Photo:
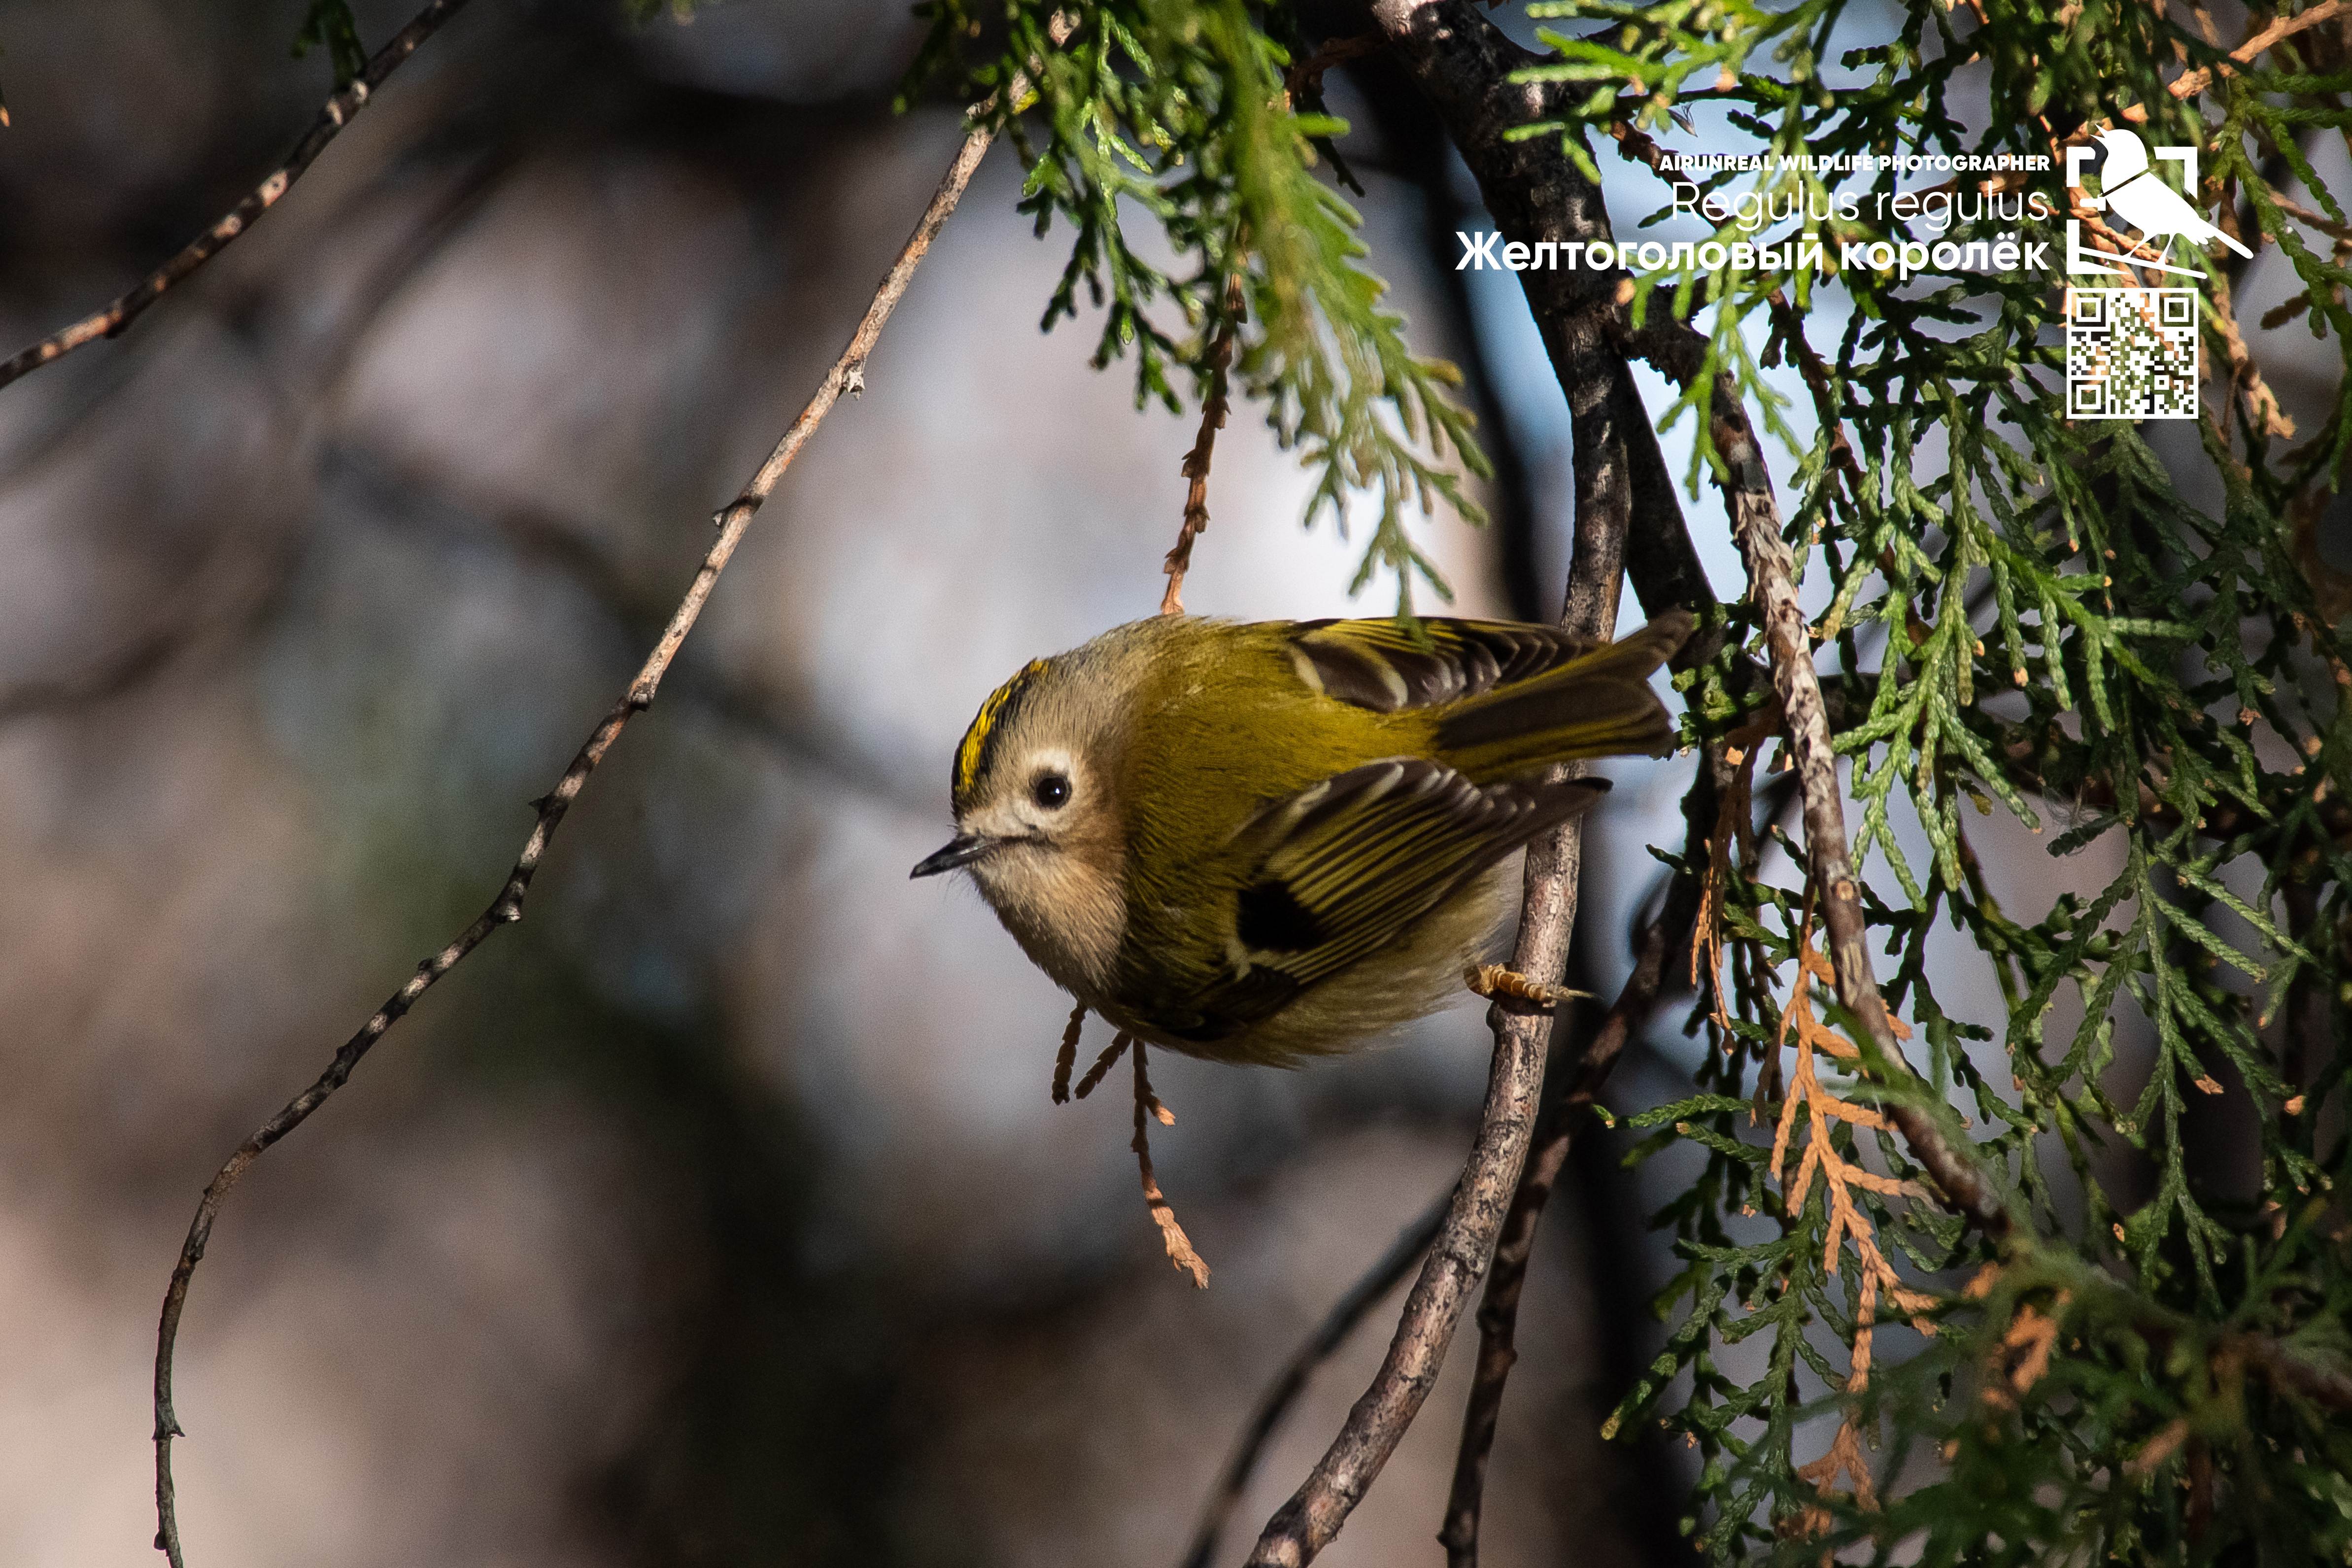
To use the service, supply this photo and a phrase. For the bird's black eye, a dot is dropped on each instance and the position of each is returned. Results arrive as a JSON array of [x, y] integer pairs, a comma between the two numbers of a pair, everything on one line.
[[1051, 790]]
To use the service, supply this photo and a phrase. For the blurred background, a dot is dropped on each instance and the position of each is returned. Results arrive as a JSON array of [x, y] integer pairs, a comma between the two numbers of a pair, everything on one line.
[[717, 1212]]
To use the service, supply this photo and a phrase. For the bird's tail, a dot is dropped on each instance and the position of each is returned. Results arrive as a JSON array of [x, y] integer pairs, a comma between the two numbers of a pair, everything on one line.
[[1600, 705]]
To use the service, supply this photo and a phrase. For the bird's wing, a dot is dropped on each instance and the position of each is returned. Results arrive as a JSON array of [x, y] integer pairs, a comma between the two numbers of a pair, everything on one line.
[[1598, 705], [1385, 665], [1347, 868]]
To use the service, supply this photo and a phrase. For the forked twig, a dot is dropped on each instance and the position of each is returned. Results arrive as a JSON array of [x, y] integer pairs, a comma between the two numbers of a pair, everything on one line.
[[847, 374], [1667, 935], [111, 321]]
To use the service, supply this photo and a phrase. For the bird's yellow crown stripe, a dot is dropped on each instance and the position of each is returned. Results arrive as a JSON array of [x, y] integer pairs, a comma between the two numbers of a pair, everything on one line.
[[975, 740]]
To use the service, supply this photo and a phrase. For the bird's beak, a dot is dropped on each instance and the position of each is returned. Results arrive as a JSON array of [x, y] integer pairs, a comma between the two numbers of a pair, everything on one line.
[[961, 851]]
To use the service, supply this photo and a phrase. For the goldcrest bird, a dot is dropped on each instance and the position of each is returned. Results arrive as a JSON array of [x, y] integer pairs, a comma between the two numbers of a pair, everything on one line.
[[1268, 841]]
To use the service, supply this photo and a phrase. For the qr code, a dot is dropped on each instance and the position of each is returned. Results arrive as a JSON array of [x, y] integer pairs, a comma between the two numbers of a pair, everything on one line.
[[2131, 354]]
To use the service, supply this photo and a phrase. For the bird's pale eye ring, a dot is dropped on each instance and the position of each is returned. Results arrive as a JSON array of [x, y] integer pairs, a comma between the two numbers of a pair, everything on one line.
[[1050, 790]]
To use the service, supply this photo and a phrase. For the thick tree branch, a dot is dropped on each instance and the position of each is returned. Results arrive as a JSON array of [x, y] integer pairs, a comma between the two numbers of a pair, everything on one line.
[[1661, 559], [339, 111], [1462, 64], [847, 375]]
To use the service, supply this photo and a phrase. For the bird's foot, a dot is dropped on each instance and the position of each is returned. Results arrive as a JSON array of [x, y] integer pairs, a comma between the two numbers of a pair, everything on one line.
[[1495, 982]]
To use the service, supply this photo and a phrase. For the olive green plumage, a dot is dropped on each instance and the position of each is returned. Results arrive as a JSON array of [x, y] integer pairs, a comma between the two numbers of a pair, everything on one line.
[[1255, 842]]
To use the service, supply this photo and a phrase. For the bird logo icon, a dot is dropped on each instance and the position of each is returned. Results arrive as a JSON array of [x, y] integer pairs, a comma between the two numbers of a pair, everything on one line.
[[2131, 191]]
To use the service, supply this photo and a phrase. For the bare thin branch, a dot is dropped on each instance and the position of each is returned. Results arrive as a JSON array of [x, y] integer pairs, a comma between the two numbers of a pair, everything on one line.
[[1663, 942], [847, 375], [1458, 1258], [1214, 406], [1332, 1332], [2190, 83], [250, 560], [339, 111]]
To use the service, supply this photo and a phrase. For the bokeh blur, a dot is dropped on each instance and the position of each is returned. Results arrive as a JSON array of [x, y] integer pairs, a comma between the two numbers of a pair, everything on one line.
[[717, 1213]]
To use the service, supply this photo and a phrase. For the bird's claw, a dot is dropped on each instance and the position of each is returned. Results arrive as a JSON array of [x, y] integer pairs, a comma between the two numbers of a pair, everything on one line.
[[1495, 981]]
